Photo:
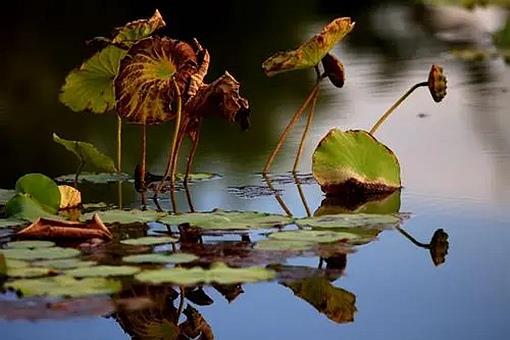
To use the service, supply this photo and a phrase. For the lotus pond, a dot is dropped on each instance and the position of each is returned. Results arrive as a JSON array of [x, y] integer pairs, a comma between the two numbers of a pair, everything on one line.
[[237, 254]]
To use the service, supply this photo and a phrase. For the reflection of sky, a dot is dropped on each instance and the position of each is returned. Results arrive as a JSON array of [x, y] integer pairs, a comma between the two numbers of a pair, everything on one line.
[[455, 167]]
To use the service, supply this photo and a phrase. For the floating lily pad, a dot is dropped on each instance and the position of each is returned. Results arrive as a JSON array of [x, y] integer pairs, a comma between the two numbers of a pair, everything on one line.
[[316, 236], [16, 263], [284, 245], [30, 244], [138, 29], [218, 273], [97, 178], [87, 154], [355, 162], [64, 264], [311, 52], [90, 86], [149, 240], [28, 272], [6, 195], [348, 221], [125, 216], [228, 220], [161, 258], [11, 222], [39, 253], [64, 285], [103, 271]]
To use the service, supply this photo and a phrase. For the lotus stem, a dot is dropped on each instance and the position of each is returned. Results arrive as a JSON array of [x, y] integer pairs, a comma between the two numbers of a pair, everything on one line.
[[412, 239], [188, 198], [394, 106], [277, 195], [302, 196], [78, 171], [191, 156], [285, 132], [143, 167], [180, 308], [305, 132], [119, 144]]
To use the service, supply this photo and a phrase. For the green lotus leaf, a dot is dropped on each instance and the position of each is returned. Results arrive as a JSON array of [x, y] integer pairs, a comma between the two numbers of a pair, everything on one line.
[[125, 216], [354, 161], [349, 221], [218, 273], [96, 178], [149, 240], [138, 29], [103, 271], [24, 207], [29, 244], [28, 272], [39, 253], [90, 86], [42, 189], [336, 303], [63, 285], [284, 245], [87, 154], [316, 236], [228, 220], [199, 177], [11, 222], [6, 195], [144, 87], [311, 52], [64, 264], [14, 264], [161, 258]]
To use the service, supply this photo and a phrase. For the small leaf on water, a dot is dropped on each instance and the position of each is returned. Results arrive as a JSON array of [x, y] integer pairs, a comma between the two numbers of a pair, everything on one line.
[[6, 195], [63, 264], [149, 240], [29, 244], [218, 273], [39, 253], [125, 216], [97, 178], [88, 154], [161, 258], [28, 272], [64, 285], [11, 222], [349, 221], [316, 236], [284, 245], [103, 271]]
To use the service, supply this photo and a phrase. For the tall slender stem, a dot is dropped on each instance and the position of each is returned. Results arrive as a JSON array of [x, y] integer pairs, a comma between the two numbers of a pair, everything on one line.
[[305, 132], [277, 195], [394, 106], [412, 239], [191, 155], [302, 196], [119, 144], [143, 167], [285, 132]]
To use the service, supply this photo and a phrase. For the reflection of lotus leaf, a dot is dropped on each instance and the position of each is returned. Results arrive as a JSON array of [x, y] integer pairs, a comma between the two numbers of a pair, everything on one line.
[[218, 273], [149, 240], [64, 285], [103, 271], [160, 258], [40, 253]]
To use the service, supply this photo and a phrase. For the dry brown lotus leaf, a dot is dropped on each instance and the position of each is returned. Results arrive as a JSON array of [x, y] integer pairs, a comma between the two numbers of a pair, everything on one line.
[[69, 197], [44, 228], [144, 88], [334, 70], [311, 52], [138, 29]]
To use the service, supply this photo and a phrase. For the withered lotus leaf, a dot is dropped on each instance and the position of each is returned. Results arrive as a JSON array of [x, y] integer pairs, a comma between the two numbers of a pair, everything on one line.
[[334, 69], [138, 29], [144, 87], [70, 197], [311, 52]]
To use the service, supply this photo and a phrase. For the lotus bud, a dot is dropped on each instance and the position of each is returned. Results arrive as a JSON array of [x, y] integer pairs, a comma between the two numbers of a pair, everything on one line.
[[439, 247], [334, 69], [437, 83]]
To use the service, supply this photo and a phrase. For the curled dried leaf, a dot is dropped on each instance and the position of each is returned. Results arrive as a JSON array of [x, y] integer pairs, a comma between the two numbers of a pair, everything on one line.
[[138, 29], [334, 69], [69, 197]]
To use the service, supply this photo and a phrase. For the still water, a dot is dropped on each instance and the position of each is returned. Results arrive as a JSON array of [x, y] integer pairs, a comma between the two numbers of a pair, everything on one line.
[[455, 158]]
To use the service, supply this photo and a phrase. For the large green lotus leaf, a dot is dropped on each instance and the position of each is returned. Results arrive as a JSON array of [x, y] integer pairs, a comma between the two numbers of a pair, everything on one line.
[[284, 245], [90, 86], [64, 264], [24, 207], [228, 220], [39, 253], [11, 222], [336, 303], [103, 271], [348, 221], [144, 87], [311, 52], [29, 244], [354, 161], [88, 154], [28, 272], [125, 216], [218, 273], [6, 195], [161, 258], [149, 240], [64, 285], [96, 178], [42, 189], [316, 236], [138, 29]]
